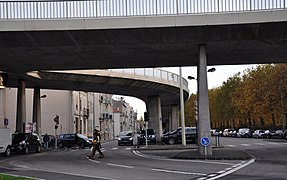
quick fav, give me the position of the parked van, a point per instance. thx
(5, 141)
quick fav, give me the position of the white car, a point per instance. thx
(5, 141)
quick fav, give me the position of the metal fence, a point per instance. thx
(43, 9)
(154, 73)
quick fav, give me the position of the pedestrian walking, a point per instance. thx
(96, 145)
(46, 140)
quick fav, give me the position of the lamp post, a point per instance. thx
(182, 110)
(196, 102)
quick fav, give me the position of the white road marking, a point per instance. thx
(93, 160)
(180, 160)
(115, 148)
(233, 170)
(179, 172)
(128, 148)
(245, 144)
(66, 173)
(119, 165)
(231, 145)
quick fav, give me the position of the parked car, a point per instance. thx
(5, 141)
(279, 134)
(244, 132)
(51, 143)
(25, 143)
(175, 136)
(125, 137)
(73, 140)
(259, 133)
(229, 133)
(151, 137)
(216, 132)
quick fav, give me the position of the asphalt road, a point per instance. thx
(122, 163)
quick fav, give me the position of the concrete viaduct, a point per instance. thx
(249, 34)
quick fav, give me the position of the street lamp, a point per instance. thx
(196, 102)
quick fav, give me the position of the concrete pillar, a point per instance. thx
(21, 107)
(169, 121)
(37, 110)
(203, 104)
(174, 117)
(154, 109)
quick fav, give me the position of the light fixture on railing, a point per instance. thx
(3, 80)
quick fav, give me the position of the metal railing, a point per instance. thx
(43, 9)
(154, 73)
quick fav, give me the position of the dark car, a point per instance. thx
(25, 142)
(279, 134)
(175, 136)
(125, 137)
(51, 142)
(73, 140)
(151, 137)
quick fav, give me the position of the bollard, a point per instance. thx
(138, 142)
(217, 143)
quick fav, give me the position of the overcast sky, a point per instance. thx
(215, 79)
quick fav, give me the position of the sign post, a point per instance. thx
(56, 120)
(205, 141)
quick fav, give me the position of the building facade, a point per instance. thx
(78, 111)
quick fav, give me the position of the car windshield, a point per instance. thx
(82, 136)
(125, 133)
(149, 132)
(20, 137)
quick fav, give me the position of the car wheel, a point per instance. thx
(8, 151)
(132, 143)
(61, 145)
(26, 150)
(82, 145)
(171, 141)
(119, 144)
(38, 149)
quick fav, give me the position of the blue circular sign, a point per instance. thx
(205, 141)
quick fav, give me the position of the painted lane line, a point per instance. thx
(180, 160)
(220, 172)
(115, 148)
(128, 149)
(211, 175)
(202, 178)
(233, 170)
(230, 145)
(119, 165)
(93, 160)
(245, 144)
(71, 174)
(179, 172)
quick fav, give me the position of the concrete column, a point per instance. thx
(203, 104)
(21, 107)
(37, 110)
(169, 121)
(154, 109)
(174, 117)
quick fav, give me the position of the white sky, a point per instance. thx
(215, 79)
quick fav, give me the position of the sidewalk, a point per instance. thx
(191, 152)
